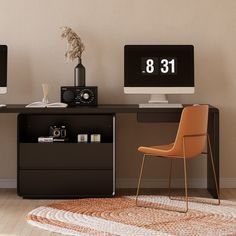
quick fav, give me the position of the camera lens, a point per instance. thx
(56, 133)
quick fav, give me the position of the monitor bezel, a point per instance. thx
(3, 73)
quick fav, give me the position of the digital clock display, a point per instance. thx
(155, 65)
(159, 66)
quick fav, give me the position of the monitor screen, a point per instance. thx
(159, 66)
(3, 66)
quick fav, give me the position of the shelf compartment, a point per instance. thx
(32, 126)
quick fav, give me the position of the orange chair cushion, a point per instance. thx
(160, 150)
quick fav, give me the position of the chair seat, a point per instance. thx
(160, 150)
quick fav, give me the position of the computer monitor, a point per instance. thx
(3, 69)
(159, 70)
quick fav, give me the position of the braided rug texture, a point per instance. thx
(120, 216)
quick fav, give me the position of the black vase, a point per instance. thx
(79, 74)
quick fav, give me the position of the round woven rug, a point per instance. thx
(120, 216)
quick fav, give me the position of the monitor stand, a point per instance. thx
(159, 101)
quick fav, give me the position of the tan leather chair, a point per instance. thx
(189, 143)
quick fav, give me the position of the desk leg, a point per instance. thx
(213, 131)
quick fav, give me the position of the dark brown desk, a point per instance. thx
(143, 115)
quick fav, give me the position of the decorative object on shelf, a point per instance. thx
(45, 103)
(82, 138)
(49, 105)
(58, 132)
(45, 93)
(79, 74)
(95, 138)
(48, 139)
(75, 48)
(79, 96)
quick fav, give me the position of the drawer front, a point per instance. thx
(65, 183)
(65, 155)
(159, 117)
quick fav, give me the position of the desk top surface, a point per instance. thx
(103, 108)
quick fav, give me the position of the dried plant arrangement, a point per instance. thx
(75, 47)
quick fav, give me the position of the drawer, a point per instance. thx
(65, 155)
(170, 116)
(65, 183)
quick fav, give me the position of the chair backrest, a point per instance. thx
(192, 131)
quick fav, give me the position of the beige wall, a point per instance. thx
(36, 54)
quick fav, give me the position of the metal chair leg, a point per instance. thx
(140, 177)
(213, 168)
(215, 180)
(185, 184)
(185, 176)
(170, 175)
(138, 189)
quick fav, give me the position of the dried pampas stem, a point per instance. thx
(75, 47)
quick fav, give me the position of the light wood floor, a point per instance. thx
(13, 210)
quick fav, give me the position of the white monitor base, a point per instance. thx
(160, 105)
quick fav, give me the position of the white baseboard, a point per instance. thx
(148, 183)
(7, 183)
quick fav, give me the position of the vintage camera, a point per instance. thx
(57, 132)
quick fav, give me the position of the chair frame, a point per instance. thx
(185, 174)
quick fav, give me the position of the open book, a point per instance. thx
(44, 104)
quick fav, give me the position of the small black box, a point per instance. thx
(79, 95)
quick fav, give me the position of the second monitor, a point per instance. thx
(159, 70)
(3, 71)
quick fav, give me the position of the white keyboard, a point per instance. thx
(161, 105)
